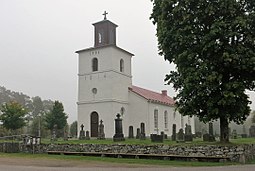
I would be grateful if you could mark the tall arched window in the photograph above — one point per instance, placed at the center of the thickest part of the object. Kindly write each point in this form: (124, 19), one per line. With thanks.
(94, 64)
(156, 118)
(121, 65)
(166, 119)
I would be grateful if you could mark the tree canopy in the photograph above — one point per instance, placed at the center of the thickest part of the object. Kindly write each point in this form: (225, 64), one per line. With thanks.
(212, 44)
(13, 115)
(56, 116)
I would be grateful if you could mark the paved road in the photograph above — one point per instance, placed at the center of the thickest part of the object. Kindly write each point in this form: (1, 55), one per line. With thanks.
(37, 168)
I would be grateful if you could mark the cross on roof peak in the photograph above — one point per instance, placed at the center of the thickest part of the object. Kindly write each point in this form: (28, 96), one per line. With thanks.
(105, 13)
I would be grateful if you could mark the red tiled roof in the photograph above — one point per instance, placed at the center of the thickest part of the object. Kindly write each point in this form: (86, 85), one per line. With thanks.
(152, 96)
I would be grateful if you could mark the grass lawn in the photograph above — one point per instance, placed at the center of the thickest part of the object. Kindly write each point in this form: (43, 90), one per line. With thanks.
(113, 160)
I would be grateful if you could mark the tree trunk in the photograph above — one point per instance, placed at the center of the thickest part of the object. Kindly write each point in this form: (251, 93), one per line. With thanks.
(224, 130)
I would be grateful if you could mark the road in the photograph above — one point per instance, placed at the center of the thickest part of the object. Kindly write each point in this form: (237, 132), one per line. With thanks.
(41, 168)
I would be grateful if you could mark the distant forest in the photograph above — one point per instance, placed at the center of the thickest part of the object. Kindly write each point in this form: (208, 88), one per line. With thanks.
(34, 104)
(36, 107)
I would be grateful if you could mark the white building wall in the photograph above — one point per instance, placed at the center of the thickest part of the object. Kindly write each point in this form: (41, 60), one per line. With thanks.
(138, 112)
(107, 111)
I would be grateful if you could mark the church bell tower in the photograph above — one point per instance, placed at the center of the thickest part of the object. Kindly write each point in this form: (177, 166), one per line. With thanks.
(105, 32)
(104, 76)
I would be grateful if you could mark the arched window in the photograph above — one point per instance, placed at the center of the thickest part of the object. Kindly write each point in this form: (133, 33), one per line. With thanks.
(94, 64)
(156, 118)
(121, 65)
(166, 119)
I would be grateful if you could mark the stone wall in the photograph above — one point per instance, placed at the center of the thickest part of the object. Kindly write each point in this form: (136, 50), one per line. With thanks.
(236, 153)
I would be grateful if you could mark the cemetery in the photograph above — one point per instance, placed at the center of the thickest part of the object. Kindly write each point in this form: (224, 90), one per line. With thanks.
(179, 146)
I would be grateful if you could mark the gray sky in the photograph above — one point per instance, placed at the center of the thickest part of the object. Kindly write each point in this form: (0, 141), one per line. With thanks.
(38, 39)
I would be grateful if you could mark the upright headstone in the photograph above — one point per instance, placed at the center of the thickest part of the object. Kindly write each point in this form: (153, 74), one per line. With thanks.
(162, 133)
(180, 136)
(157, 138)
(87, 136)
(211, 128)
(119, 136)
(142, 136)
(252, 131)
(130, 132)
(82, 133)
(234, 134)
(244, 134)
(101, 135)
(209, 137)
(174, 132)
(138, 133)
(188, 134)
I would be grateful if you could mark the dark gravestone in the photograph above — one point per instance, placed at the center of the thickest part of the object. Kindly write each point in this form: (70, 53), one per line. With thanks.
(180, 136)
(244, 134)
(82, 133)
(119, 136)
(209, 137)
(211, 128)
(163, 134)
(174, 133)
(234, 134)
(101, 135)
(188, 134)
(87, 136)
(156, 138)
(142, 137)
(252, 131)
(198, 134)
(138, 133)
(130, 132)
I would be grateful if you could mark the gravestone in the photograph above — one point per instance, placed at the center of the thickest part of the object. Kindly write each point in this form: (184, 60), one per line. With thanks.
(234, 134)
(188, 134)
(209, 137)
(180, 136)
(174, 132)
(252, 131)
(130, 132)
(156, 138)
(138, 133)
(163, 134)
(87, 136)
(101, 135)
(82, 133)
(244, 134)
(119, 136)
(142, 136)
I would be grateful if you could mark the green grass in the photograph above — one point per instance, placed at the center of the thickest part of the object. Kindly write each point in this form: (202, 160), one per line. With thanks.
(115, 160)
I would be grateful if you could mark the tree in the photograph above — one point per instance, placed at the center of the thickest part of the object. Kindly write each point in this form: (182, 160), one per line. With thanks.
(13, 116)
(56, 117)
(212, 45)
(73, 129)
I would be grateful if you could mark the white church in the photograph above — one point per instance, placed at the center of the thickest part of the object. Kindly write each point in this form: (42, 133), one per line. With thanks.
(105, 89)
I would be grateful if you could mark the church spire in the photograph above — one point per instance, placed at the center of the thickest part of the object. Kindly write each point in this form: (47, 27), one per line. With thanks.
(105, 32)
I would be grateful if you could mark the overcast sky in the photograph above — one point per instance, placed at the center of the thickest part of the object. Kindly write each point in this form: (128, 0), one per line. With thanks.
(38, 39)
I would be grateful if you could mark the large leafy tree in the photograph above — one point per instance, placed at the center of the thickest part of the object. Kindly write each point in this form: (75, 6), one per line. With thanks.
(212, 43)
(13, 115)
(56, 116)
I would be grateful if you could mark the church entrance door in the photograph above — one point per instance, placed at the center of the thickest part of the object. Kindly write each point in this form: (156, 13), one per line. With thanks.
(94, 124)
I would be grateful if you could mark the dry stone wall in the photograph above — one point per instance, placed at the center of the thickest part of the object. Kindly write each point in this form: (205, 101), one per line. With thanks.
(236, 153)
